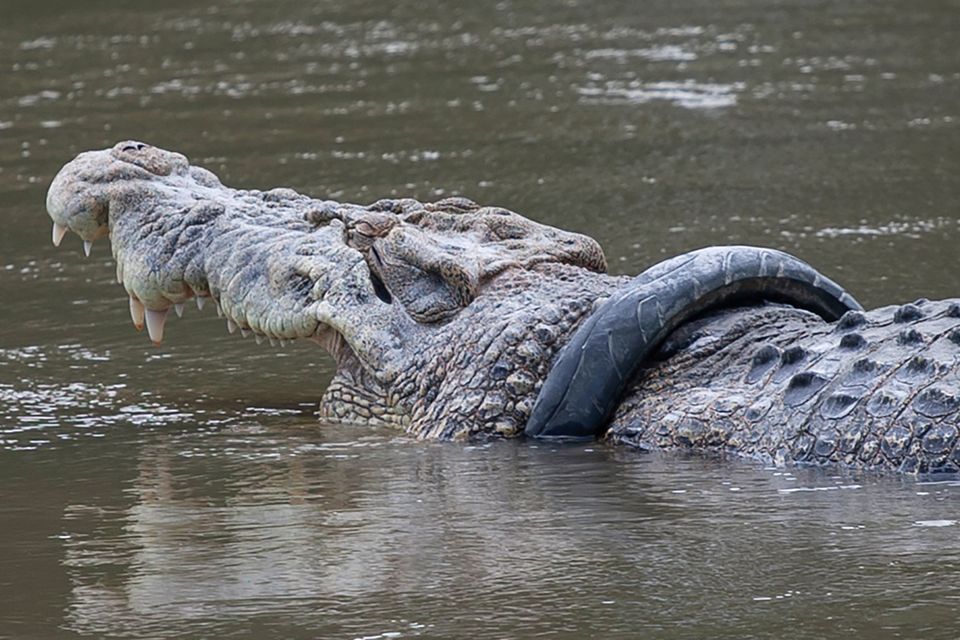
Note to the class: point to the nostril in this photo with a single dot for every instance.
(141, 146)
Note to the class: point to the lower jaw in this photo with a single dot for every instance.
(352, 397)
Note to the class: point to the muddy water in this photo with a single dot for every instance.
(187, 491)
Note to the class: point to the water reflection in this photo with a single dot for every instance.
(342, 531)
(296, 525)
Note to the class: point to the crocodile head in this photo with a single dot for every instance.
(442, 317)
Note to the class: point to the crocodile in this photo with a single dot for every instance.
(450, 320)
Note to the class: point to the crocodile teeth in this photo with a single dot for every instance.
(136, 313)
(219, 311)
(87, 245)
(58, 232)
(119, 273)
(155, 322)
(258, 338)
(244, 333)
(200, 302)
(179, 309)
(231, 325)
(272, 342)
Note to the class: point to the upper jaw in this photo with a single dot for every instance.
(178, 234)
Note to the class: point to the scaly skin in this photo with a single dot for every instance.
(444, 319)
(875, 390)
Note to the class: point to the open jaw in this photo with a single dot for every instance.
(408, 297)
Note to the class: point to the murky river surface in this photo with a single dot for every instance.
(187, 491)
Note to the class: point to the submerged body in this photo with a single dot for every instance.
(445, 319)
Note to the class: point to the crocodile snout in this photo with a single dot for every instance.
(77, 204)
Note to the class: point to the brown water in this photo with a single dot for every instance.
(187, 491)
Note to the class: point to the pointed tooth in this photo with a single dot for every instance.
(200, 302)
(244, 332)
(155, 322)
(87, 245)
(136, 313)
(119, 273)
(283, 342)
(231, 325)
(179, 309)
(58, 232)
(258, 338)
(219, 311)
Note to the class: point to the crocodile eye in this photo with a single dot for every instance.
(129, 147)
